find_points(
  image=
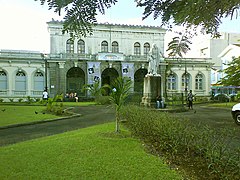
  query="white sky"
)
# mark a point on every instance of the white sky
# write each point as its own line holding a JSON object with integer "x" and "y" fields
{"x": 23, "y": 23}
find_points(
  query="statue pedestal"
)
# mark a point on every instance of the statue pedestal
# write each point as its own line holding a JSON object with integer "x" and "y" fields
{"x": 151, "y": 89}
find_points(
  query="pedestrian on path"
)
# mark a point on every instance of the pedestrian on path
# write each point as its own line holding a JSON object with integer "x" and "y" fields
{"x": 190, "y": 100}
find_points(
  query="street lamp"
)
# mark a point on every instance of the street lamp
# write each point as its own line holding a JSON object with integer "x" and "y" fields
{"x": 45, "y": 63}
{"x": 185, "y": 75}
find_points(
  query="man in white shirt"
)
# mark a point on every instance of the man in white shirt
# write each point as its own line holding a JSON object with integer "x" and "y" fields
{"x": 45, "y": 95}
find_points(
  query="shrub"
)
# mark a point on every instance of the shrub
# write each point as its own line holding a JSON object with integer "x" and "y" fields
{"x": 103, "y": 100}
{"x": 207, "y": 152}
{"x": 29, "y": 100}
{"x": 11, "y": 100}
{"x": 1, "y": 100}
{"x": 20, "y": 100}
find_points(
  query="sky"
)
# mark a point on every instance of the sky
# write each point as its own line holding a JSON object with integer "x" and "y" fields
{"x": 23, "y": 23}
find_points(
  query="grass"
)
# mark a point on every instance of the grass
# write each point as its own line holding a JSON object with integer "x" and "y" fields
{"x": 22, "y": 114}
{"x": 90, "y": 153}
{"x": 223, "y": 105}
{"x": 78, "y": 103}
{"x": 18, "y": 113}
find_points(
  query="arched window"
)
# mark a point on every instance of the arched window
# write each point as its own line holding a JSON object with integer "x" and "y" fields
{"x": 3, "y": 80}
{"x": 171, "y": 82}
{"x": 199, "y": 82}
{"x": 186, "y": 81}
{"x": 20, "y": 81}
{"x": 81, "y": 47}
{"x": 146, "y": 49}
{"x": 70, "y": 46}
{"x": 104, "y": 46}
{"x": 137, "y": 49}
{"x": 115, "y": 48}
{"x": 38, "y": 81}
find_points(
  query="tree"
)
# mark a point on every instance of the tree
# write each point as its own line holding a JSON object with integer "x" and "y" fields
{"x": 232, "y": 73}
{"x": 178, "y": 45}
{"x": 120, "y": 91}
{"x": 81, "y": 14}
{"x": 207, "y": 14}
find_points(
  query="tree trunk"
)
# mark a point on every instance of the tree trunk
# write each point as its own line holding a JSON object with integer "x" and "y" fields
{"x": 117, "y": 130}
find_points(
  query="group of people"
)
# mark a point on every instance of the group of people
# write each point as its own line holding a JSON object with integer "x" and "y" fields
{"x": 72, "y": 95}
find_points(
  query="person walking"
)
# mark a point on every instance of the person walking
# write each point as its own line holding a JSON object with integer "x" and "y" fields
{"x": 190, "y": 100}
{"x": 45, "y": 95}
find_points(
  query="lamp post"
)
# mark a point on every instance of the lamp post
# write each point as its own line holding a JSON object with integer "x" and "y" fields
{"x": 45, "y": 64}
{"x": 185, "y": 73}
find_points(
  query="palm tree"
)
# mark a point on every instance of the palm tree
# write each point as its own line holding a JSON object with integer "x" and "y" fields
{"x": 120, "y": 90}
{"x": 177, "y": 47}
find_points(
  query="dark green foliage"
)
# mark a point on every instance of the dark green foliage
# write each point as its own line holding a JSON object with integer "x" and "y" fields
{"x": 178, "y": 45}
{"x": 206, "y": 14}
{"x": 103, "y": 100}
{"x": 29, "y": 100}
{"x": 199, "y": 150}
{"x": 232, "y": 77}
{"x": 80, "y": 14}
{"x": 20, "y": 100}
{"x": 55, "y": 105}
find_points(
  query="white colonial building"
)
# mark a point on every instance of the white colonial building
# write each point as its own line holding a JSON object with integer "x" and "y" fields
{"x": 112, "y": 50}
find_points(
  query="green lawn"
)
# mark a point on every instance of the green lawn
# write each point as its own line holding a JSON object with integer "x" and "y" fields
{"x": 15, "y": 114}
{"x": 78, "y": 103}
{"x": 22, "y": 114}
{"x": 223, "y": 105}
{"x": 90, "y": 153}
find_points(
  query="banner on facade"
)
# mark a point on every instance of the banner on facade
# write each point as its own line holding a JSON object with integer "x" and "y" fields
{"x": 93, "y": 70}
{"x": 128, "y": 70}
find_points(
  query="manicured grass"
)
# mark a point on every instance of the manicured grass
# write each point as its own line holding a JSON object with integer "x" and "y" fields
{"x": 78, "y": 103}
{"x": 22, "y": 114}
{"x": 223, "y": 105}
{"x": 90, "y": 153}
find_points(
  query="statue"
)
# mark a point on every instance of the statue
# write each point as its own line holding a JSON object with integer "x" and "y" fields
{"x": 153, "y": 59}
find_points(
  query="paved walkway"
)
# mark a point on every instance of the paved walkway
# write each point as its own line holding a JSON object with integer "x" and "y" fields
{"x": 90, "y": 115}
{"x": 93, "y": 115}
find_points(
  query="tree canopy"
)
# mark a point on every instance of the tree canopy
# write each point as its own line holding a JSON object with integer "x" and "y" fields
{"x": 81, "y": 14}
{"x": 232, "y": 73}
{"x": 178, "y": 45}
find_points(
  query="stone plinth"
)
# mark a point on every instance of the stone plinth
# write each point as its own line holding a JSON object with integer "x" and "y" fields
{"x": 151, "y": 89}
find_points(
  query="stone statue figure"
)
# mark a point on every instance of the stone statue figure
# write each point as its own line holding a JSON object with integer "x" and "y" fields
{"x": 153, "y": 59}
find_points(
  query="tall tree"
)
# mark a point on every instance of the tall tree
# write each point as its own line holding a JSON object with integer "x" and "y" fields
{"x": 232, "y": 73}
{"x": 177, "y": 47}
{"x": 81, "y": 14}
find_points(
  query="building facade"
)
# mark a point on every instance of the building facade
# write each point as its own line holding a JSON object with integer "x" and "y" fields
{"x": 111, "y": 51}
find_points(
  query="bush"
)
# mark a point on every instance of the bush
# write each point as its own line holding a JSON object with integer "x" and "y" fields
{"x": 20, "y": 100}
{"x": 1, "y": 100}
{"x": 29, "y": 100}
{"x": 103, "y": 100}
{"x": 207, "y": 153}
